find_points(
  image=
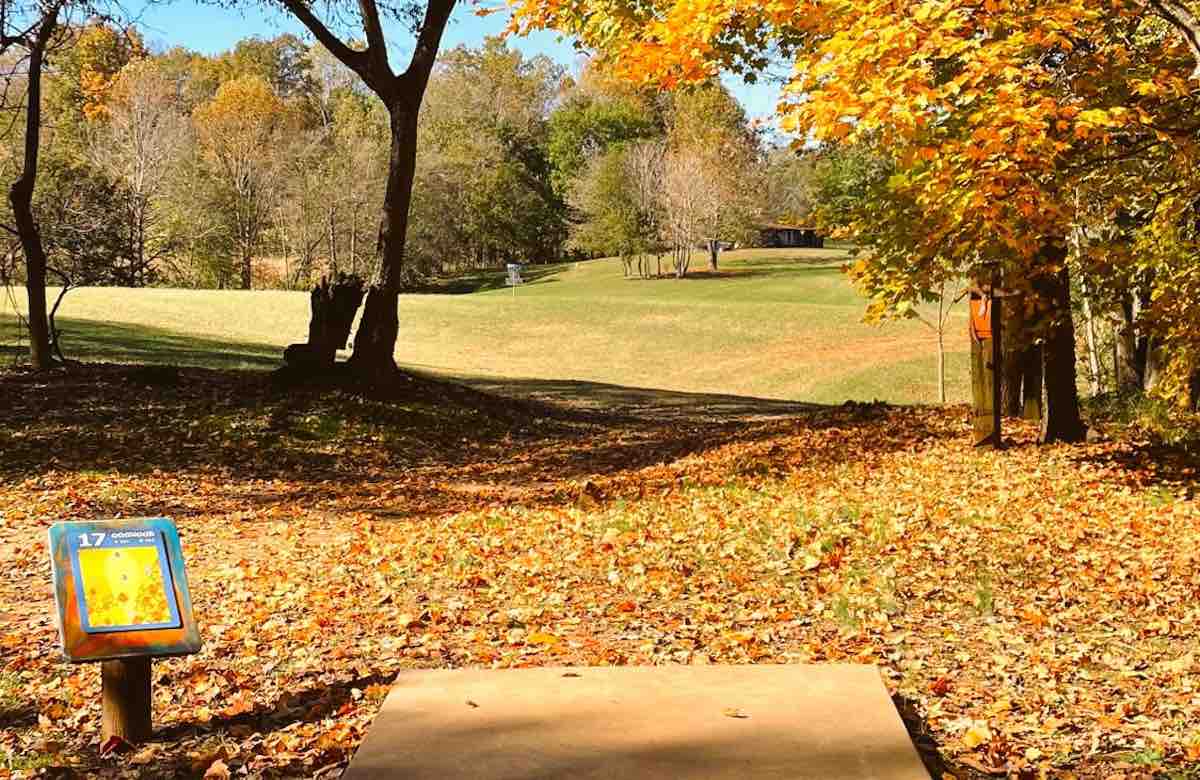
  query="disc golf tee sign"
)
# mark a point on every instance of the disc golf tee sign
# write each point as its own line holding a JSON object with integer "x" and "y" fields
{"x": 121, "y": 590}
{"x": 122, "y": 596}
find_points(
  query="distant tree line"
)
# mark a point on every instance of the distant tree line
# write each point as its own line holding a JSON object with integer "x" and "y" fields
{"x": 651, "y": 176}
{"x": 264, "y": 166}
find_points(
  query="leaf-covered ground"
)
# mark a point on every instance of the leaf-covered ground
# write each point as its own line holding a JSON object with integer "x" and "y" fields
{"x": 1035, "y": 612}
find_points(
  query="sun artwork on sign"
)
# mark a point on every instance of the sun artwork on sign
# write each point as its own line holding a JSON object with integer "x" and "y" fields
{"x": 123, "y": 587}
{"x": 120, "y": 589}
{"x": 123, "y": 581}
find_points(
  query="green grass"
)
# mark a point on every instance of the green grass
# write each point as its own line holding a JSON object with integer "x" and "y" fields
{"x": 775, "y": 324}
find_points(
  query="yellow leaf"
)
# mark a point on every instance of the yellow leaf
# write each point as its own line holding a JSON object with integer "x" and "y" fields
{"x": 977, "y": 735}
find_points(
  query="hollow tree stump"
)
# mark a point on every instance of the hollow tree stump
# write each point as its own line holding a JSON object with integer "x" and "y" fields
{"x": 125, "y": 700}
{"x": 334, "y": 305}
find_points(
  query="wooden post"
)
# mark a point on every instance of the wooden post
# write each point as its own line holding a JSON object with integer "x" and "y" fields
{"x": 997, "y": 358}
{"x": 125, "y": 699}
{"x": 986, "y": 375}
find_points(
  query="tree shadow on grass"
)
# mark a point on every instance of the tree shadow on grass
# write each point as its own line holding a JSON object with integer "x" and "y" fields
{"x": 419, "y": 445}
{"x": 624, "y": 400}
{"x": 108, "y": 342}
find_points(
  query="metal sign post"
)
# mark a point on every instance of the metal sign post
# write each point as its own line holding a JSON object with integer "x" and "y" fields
{"x": 122, "y": 596}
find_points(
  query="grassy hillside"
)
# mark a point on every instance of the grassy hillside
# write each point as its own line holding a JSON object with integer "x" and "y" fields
{"x": 772, "y": 324}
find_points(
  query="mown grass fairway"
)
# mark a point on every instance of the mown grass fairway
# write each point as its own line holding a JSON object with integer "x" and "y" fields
{"x": 773, "y": 324}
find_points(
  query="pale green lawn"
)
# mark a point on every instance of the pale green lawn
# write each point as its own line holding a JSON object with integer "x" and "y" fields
{"x": 777, "y": 324}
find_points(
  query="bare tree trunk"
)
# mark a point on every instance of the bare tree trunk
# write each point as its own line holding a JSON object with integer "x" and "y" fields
{"x": 1061, "y": 421}
{"x": 714, "y": 252}
{"x": 20, "y": 196}
{"x": 1128, "y": 368}
{"x": 375, "y": 342}
{"x": 247, "y": 261}
{"x": 1153, "y": 362}
{"x": 1015, "y": 345}
{"x": 941, "y": 362}
{"x": 1093, "y": 354}
{"x": 331, "y": 236}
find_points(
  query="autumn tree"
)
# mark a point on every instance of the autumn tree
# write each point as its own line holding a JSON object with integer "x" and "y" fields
{"x": 485, "y": 121}
{"x": 282, "y": 62}
{"x": 80, "y": 212}
{"x": 597, "y": 113}
{"x": 708, "y": 129}
{"x": 237, "y": 131}
{"x": 610, "y": 219}
{"x": 789, "y": 186}
{"x": 137, "y": 142}
{"x": 644, "y": 168}
{"x": 83, "y": 73}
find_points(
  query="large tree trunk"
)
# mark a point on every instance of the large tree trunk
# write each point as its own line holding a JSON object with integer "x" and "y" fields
{"x": 1015, "y": 344}
{"x": 375, "y": 342}
{"x": 20, "y": 196}
{"x": 1060, "y": 421}
{"x": 714, "y": 255}
{"x": 1154, "y": 363}
{"x": 1021, "y": 390}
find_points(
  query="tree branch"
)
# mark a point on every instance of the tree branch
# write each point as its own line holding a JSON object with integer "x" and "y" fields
{"x": 437, "y": 14}
{"x": 349, "y": 57}
{"x": 373, "y": 29}
{"x": 1180, "y": 16}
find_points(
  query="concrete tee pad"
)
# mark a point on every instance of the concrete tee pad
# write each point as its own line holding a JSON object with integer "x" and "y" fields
{"x": 825, "y": 722}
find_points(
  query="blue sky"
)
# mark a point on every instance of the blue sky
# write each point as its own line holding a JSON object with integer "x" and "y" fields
{"x": 208, "y": 29}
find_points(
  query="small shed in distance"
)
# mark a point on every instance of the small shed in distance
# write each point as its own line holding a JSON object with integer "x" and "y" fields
{"x": 774, "y": 234}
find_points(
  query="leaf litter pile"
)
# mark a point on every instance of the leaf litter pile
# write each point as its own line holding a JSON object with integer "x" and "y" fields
{"x": 1034, "y": 612}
